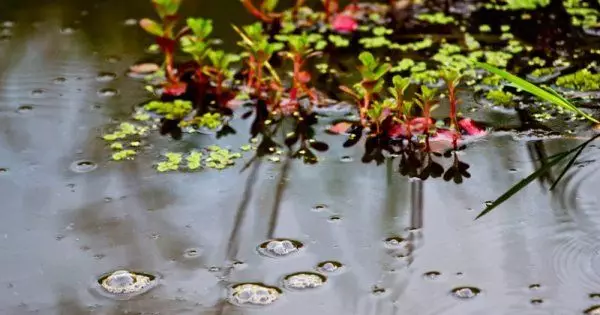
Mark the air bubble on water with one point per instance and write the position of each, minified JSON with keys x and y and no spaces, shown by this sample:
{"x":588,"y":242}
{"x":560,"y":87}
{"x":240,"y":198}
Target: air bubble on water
{"x":192,"y":253}
{"x":378,"y":291}
{"x":319,"y":207}
{"x":535,"y":286}
{"x":346,"y":159}
{"x":466,"y":292}
{"x":83,"y":166}
{"x":304,"y":280}
{"x":594,"y":296}
{"x":395,"y":242}
{"x":67,"y":30}
{"x":214,"y":269}
{"x":488,"y":203}
{"x":253,"y":294}
{"x":108,"y":92}
{"x":3,"y":170}
{"x":24,"y":109}
{"x":131,"y":22}
{"x":113,"y":59}
{"x":432,"y":275}
{"x":59,"y":80}
{"x":8,"y":24}
{"x":335,"y":218}
{"x":537,"y":301}
{"x":329,"y":266}
{"x":239,"y":265}
{"x":124,"y":284}
{"x":38,"y":92}
{"x":594,"y":310}
{"x":106,"y":76}
{"x":279,"y":247}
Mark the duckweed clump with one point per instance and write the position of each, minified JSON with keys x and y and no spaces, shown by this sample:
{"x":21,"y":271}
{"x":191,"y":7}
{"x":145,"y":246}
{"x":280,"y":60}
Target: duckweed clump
{"x":172,"y":162}
{"x":436,"y":18}
{"x":582,"y":80}
{"x":127,"y":154}
{"x":500,"y":97}
{"x":171,"y":110}
{"x":194,"y":160}
{"x":220,"y":158}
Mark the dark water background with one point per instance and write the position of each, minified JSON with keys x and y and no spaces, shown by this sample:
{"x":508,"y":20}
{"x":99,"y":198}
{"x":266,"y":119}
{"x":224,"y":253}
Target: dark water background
{"x":60,"y":230}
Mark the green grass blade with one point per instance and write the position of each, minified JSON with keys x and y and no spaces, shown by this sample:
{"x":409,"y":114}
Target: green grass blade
{"x":523,"y":183}
{"x":550,"y":96}
{"x":567,"y":167}
{"x":579,"y":149}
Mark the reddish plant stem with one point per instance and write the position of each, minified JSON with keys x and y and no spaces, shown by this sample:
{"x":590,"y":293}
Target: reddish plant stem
{"x":256,"y":12}
{"x":453,"y":107}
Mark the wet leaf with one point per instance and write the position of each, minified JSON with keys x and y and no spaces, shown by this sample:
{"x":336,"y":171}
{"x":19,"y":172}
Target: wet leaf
{"x":151,"y":27}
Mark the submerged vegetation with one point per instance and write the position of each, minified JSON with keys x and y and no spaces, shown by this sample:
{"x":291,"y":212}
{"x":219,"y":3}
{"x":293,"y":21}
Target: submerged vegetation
{"x":405,"y":92}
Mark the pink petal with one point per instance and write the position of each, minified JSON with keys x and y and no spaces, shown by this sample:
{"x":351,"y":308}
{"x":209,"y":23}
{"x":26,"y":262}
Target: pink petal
{"x":175,"y":89}
{"x":344,"y":23}
{"x":340,"y":128}
{"x":468,"y":125}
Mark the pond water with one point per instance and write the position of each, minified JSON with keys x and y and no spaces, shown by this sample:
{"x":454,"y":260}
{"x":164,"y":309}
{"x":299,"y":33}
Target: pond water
{"x":81,"y":234}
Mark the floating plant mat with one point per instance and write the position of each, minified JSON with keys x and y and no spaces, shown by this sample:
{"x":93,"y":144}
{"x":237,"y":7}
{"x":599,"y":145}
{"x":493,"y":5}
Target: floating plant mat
{"x":223,"y":220}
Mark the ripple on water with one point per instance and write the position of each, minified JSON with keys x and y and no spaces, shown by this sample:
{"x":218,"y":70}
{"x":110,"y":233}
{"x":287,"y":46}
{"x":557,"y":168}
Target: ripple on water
{"x":124,"y":284}
{"x":256,"y":294}
{"x":466,"y":293}
{"x":192,"y":253}
{"x":83,"y":166}
{"x":304,"y":280}
{"x":279,"y":247}
{"x":576,"y":194}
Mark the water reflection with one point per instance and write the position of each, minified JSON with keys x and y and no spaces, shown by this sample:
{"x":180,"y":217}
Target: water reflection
{"x":195,"y":229}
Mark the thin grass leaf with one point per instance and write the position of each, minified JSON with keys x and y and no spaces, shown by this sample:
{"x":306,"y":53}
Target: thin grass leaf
{"x":550,"y":96}
{"x":523,"y":183}
{"x":580,"y":148}
{"x":567,"y":167}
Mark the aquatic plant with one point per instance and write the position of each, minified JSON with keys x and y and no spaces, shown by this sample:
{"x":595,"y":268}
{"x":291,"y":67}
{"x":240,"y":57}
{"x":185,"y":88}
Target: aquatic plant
{"x":556,"y":99}
{"x":166,"y":39}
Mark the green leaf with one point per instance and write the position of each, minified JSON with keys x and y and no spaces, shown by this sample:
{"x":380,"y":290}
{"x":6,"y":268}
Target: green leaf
{"x":269,"y":5}
{"x":202,"y":28}
{"x":151,"y":27}
{"x":579,"y":149}
{"x":545,"y":94}
{"x":523,"y":183}
{"x":367,"y":60}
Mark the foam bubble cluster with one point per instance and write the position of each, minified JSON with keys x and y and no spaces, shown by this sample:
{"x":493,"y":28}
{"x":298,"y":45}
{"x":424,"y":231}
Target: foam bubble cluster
{"x":254,"y":294}
{"x":123,"y":282}
{"x":304,"y":280}
{"x":279,"y":247}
